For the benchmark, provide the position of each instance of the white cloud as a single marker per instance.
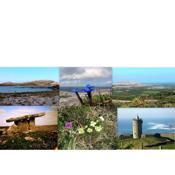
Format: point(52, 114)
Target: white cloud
point(154, 126)
point(80, 75)
point(88, 73)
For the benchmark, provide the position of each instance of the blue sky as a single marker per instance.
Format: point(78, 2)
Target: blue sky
point(29, 74)
point(130, 113)
point(144, 75)
point(16, 111)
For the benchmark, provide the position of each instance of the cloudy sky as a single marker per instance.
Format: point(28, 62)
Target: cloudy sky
point(80, 76)
point(7, 112)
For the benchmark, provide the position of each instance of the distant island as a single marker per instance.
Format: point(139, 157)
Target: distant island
point(37, 83)
point(128, 84)
point(133, 84)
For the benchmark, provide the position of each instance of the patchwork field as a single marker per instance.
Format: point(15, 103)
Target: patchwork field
point(144, 97)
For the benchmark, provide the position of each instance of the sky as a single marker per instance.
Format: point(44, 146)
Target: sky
point(144, 75)
point(7, 112)
point(28, 74)
point(130, 113)
point(80, 76)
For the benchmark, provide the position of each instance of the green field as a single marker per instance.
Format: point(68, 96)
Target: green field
point(144, 97)
point(149, 142)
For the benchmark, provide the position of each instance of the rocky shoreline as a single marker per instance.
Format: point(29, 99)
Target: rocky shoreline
point(50, 98)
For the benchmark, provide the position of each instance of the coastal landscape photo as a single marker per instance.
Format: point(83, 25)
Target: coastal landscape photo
point(86, 117)
point(144, 87)
point(30, 86)
point(146, 128)
point(28, 127)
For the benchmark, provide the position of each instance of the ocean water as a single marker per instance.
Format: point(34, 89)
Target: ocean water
point(13, 89)
point(155, 120)
point(69, 89)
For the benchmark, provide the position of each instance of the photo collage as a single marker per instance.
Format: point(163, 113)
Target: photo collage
point(87, 108)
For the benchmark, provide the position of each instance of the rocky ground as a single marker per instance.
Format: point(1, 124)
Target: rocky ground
point(70, 98)
point(43, 137)
point(50, 98)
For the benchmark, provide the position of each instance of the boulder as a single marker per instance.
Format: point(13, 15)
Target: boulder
point(31, 139)
point(12, 129)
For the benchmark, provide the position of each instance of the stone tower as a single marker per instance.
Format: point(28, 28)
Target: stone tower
point(137, 127)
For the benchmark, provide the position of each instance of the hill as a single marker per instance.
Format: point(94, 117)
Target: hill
point(39, 83)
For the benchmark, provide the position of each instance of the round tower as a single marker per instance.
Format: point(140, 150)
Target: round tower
point(137, 127)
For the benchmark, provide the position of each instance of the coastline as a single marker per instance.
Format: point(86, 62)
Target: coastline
point(30, 98)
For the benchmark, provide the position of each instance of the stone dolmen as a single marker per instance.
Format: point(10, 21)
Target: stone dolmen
point(23, 123)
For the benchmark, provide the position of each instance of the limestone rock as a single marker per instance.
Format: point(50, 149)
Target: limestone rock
point(12, 129)
point(31, 139)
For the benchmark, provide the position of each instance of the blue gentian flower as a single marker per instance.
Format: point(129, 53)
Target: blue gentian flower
point(88, 88)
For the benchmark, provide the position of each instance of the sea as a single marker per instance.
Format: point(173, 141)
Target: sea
point(69, 89)
point(155, 120)
point(17, 89)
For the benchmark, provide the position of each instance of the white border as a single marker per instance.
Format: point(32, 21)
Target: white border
point(87, 33)
point(87, 162)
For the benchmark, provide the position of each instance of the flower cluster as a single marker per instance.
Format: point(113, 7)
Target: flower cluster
point(92, 126)
point(68, 125)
